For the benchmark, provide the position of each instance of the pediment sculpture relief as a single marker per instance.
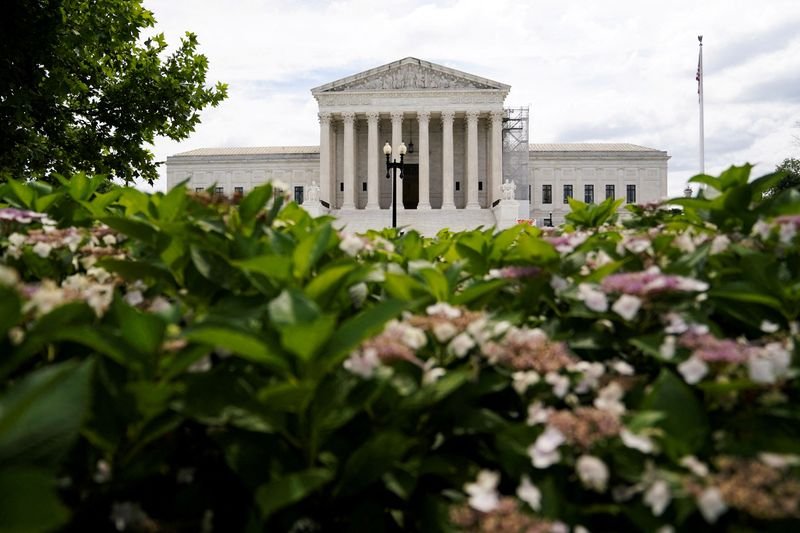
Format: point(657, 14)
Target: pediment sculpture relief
point(411, 77)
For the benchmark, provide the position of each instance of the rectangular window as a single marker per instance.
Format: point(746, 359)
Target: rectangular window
point(480, 185)
point(458, 185)
point(588, 194)
point(341, 186)
point(364, 186)
point(610, 193)
point(631, 194)
point(567, 193)
point(547, 194)
point(298, 194)
point(198, 189)
point(218, 190)
point(238, 190)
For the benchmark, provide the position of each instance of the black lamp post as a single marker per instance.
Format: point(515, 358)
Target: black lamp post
point(393, 166)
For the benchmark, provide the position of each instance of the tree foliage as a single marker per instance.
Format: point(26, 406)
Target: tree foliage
point(791, 166)
point(81, 88)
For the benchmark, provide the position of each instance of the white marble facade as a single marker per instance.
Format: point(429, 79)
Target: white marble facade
point(454, 174)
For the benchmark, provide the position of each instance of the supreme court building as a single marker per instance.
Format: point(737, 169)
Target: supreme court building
point(469, 159)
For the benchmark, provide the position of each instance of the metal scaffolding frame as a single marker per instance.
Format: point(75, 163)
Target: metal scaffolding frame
point(516, 127)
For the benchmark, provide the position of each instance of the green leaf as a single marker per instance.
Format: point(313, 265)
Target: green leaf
point(328, 280)
point(254, 202)
point(10, 309)
point(305, 340)
point(310, 249)
point(40, 415)
point(24, 194)
point(241, 343)
point(137, 229)
point(685, 422)
point(30, 501)
point(143, 331)
point(369, 462)
point(478, 290)
point(364, 325)
point(705, 179)
point(289, 489)
point(276, 267)
point(292, 307)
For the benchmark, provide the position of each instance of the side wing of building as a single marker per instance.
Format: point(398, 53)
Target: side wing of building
point(237, 170)
point(591, 173)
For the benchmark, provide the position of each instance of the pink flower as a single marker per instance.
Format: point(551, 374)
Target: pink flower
point(651, 281)
point(20, 215)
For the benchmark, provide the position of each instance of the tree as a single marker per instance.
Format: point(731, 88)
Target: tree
point(81, 90)
point(791, 166)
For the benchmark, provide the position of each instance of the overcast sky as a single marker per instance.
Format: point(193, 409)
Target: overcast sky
point(591, 71)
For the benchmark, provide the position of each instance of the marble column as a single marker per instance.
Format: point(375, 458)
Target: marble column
point(372, 160)
point(397, 138)
point(348, 167)
point(493, 190)
point(423, 117)
point(472, 160)
point(447, 160)
point(325, 158)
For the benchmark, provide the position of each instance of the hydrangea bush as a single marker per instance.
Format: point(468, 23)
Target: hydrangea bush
point(191, 362)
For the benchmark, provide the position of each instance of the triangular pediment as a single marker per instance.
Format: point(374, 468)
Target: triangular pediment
point(410, 74)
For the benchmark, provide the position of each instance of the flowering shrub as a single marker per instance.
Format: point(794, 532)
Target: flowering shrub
point(189, 362)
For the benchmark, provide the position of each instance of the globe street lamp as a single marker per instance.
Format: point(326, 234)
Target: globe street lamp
point(394, 165)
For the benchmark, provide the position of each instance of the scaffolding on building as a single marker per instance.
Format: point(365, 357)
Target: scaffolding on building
point(516, 127)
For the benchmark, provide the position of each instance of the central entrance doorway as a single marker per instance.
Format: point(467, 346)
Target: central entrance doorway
point(410, 186)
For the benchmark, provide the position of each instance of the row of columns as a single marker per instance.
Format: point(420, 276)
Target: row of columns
point(327, 192)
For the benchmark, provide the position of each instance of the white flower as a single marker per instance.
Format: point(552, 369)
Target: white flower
point(72, 241)
point(760, 370)
point(483, 494)
point(560, 383)
point(109, 240)
point(538, 413)
point(559, 284)
point(711, 504)
point(608, 399)
point(667, 348)
point(478, 329)
point(693, 370)
point(762, 229)
point(16, 335)
point(771, 363)
point(592, 297)
point(444, 331)
point(694, 465)
point(677, 324)
point(623, 368)
point(42, 249)
point(134, 298)
point(665, 529)
point(461, 344)
point(529, 493)
point(636, 442)
point(684, 243)
point(658, 497)
point(769, 327)
point(358, 293)
point(8, 276)
point(787, 233)
point(627, 306)
point(412, 337)
point(99, 298)
point(16, 239)
point(592, 472)
point(778, 460)
point(592, 372)
point(501, 327)
point(100, 274)
point(351, 244)
point(443, 309)
point(46, 298)
point(544, 452)
point(431, 375)
point(719, 244)
point(280, 185)
point(363, 363)
point(524, 379)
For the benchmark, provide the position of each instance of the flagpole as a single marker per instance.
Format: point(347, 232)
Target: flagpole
point(700, 93)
